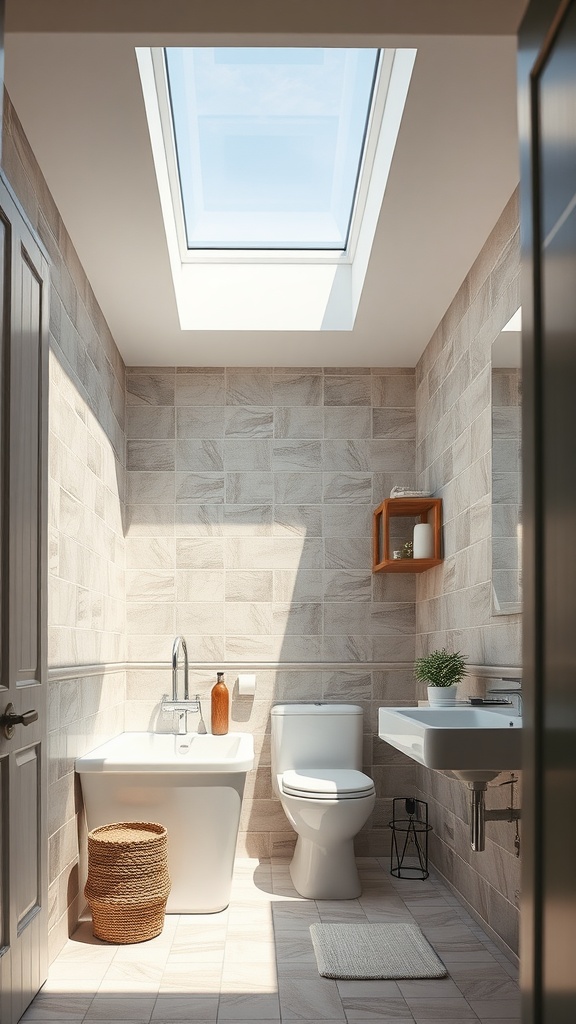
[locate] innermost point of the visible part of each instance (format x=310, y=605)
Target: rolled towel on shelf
x=408, y=492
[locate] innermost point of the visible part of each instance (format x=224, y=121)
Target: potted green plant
x=441, y=671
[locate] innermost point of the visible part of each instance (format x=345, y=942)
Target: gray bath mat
x=369, y=951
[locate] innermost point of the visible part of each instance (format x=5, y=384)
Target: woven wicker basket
x=128, y=881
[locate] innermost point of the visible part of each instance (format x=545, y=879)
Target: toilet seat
x=326, y=784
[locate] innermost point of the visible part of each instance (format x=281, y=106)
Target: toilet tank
x=316, y=736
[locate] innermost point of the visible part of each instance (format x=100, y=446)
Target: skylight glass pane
x=269, y=143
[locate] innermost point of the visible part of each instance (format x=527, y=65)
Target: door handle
x=9, y=720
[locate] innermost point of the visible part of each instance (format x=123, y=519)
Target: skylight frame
x=272, y=255
x=260, y=286
x=357, y=98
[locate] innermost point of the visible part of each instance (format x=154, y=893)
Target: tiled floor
x=255, y=962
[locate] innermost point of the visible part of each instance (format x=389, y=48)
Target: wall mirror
x=506, y=469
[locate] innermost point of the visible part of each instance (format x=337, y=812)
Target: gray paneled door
x=23, y=783
x=547, y=91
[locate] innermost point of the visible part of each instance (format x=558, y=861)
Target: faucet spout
x=510, y=692
x=179, y=642
x=181, y=705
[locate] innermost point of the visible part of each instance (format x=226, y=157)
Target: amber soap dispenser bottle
x=220, y=706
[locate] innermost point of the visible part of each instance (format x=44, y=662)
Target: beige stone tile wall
x=86, y=588
x=454, y=601
x=248, y=529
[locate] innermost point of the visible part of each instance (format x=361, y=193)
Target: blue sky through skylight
x=269, y=143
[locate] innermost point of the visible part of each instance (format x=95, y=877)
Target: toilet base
x=325, y=874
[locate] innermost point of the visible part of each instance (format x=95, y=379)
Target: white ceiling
x=79, y=99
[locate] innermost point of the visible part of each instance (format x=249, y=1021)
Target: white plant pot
x=442, y=695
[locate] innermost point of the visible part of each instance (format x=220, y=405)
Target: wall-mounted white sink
x=468, y=741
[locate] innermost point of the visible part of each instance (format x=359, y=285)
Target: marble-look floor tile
x=369, y=989
x=250, y=977
x=248, y=1007
x=493, y=1009
x=292, y=948
x=139, y=973
x=195, y=1008
x=441, y=1010
x=58, y=1006
x=433, y=988
x=451, y=937
x=143, y=952
x=431, y=916
x=191, y=978
x=255, y=961
x=242, y=950
x=64, y=971
x=429, y=901
x=125, y=1007
x=339, y=911
x=512, y=970
x=466, y=957
x=128, y=988
x=476, y=989
x=51, y=1020
x=249, y=916
x=83, y=946
x=201, y=949
x=318, y=999
x=377, y=910
x=290, y=971
x=375, y=1009
x=483, y=981
x=291, y=916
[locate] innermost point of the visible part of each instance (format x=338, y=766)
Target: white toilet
x=316, y=761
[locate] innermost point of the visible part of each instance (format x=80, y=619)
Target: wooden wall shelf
x=422, y=510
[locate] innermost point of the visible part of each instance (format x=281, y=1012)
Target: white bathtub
x=191, y=784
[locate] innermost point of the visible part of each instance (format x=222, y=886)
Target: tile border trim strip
x=107, y=668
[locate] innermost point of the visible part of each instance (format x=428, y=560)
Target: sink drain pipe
x=479, y=815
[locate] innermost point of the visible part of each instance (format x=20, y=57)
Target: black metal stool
x=411, y=833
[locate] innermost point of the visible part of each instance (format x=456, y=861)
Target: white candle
x=423, y=541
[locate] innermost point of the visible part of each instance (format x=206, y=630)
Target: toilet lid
x=327, y=784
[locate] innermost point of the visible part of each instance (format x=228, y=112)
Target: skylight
x=245, y=255
x=269, y=143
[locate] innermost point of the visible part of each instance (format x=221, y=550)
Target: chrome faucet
x=180, y=706
x=179, y=642
x=510, y=691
